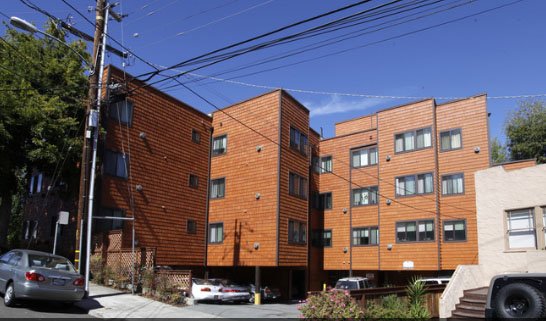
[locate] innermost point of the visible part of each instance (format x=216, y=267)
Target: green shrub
x=392, y=306
x=331, y=305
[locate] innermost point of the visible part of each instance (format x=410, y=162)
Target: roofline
x=131, y=78
x=285, y=93
x=349, y=134
x=247, y=100
x=314, y=131
x=462, y=99
x=385, y=109
x=516, y=161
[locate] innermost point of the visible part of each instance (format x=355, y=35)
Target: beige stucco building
x=511, y=219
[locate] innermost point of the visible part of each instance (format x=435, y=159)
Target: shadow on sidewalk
x=53, y=307
x=106, y=295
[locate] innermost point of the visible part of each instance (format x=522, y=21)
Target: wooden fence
x=375, y=295
x=173, y=280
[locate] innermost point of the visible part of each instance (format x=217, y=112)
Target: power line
x=209, y=23
x=379, y=41
x=151, y=74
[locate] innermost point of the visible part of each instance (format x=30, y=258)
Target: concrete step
x=473, y=300
x=470, y=307
x=468, y=314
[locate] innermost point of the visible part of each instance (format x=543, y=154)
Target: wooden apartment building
x=389, y=196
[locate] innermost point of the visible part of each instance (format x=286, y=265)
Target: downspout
x=378, y=198
x=207, y=208
x=437, y=174
x=350, y=216
x=279, y=180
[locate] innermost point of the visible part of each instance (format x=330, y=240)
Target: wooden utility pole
x=86, y=151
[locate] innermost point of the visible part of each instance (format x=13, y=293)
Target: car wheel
x=9, y=296
x=519, y=300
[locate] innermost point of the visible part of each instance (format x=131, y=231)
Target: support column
x=258, y=284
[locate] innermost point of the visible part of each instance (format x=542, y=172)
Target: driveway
x=268, y=310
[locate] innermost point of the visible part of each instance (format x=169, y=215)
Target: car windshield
x=203, y=282
x=346, y=285
x=50, y=262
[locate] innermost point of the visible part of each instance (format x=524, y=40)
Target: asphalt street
x=42, y=310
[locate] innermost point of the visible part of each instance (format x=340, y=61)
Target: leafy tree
x=498, y=152
x=42, y=98
x=526, y=131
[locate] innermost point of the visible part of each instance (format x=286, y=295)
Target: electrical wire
x=208, y=24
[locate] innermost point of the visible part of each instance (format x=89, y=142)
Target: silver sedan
x=26, y=274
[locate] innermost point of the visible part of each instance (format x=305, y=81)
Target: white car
x=433, y=281
x=353, y=283
x=206, y=290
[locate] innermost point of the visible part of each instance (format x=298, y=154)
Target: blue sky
x=500, y=52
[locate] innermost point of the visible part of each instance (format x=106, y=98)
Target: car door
x=5, y=270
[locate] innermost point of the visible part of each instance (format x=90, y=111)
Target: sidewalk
x=107, y=303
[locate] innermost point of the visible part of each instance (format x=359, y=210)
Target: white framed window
x=364, y=157
x=365, y=196
x=412, y=140
x=216, y=233
x=218, y=188
x=365, y=235
x=325, y=165
x=453, y=184
x=454, y=230
x=415, y=231
x=414, y=184
x=219, y=145
x=450, y=139
x=521, y=229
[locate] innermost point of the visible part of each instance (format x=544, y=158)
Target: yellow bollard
x=323, y=286
x=257, y=298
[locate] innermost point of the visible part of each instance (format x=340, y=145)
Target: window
x=365, y=196
x=36, y=183
x=298, y=141
x=297, y=232
x=218, y=188
x=455, y=230
x=521, y=229
x=453, y=184
x=414, y=184
x=322, y=238
x=415, y=231
x=115, y=164
x=366, y=235
x=122, y=111
x=219, y=145
x=450, y=139
x=195, y=136
x=297, y=186
x=325, y=165
x=191, y=226
x=109, y=224
x=216, y=233
x=322, y=201
x=194, y=181
x=411, y=140
x=364, y=157
x=325, y=201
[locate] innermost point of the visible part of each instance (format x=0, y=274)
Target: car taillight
x=78, y=282
x=205, y=289
x=33, y=276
